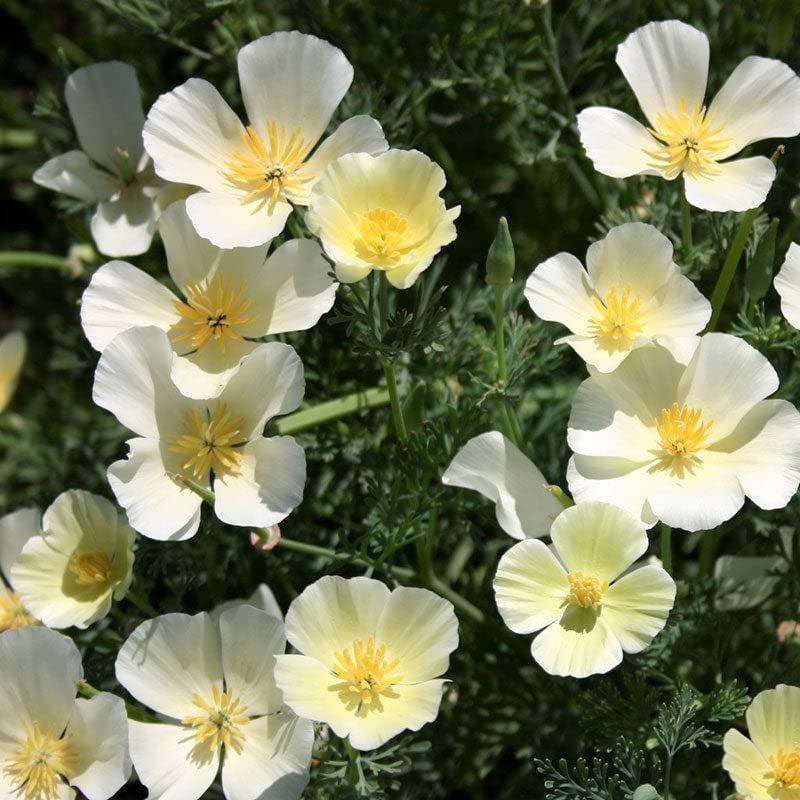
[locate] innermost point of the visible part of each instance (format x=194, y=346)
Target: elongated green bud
x=500, y=259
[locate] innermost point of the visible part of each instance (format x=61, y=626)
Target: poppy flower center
x=367, y=674
x=585, y=590
x=12, y=613
x=688, y=142
x=682, y=431
x=381, y=237
x=619, y=318
x=40, y=758
x=786, y=768
x=212, y=312
x=221, y=720
x=91, y=569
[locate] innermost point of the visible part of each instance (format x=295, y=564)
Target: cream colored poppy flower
x=382, y=213
x=631, y=293
x=767, y=765
x=16, y=529
x=212, y=683
x=683, y=434
x=370, y=658
x=80, y=562
x=50, y=741
x=580, y=597
x=666, y=65
x=787, y=285
x=12, y=356
x=251, y=177
x=228, y=300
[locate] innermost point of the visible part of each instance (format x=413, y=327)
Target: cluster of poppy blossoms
x=670, y=425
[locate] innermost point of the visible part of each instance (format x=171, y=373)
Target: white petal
x=617, y=144
x=679, y=309
x=40, y=670
x=739, y=185
x=747, y=766
x=125, y=226
x=579, y=644
x=492, y=465
x=13, y=347
x=331, y=613
x=787, y=285
x=163, y=759
x=189, y=134
x=250, y=640
x=295, y=80
x=636, y=606
x=665, y=63
x=120, y=297
x=205, y=374
x=157, y=507
x=530, y=587
x=559, y=290
x=99, y=737
x=15, y=530
x=596, y=353
x=760, y=100
x=773, y=719
x=106, y=109
x=167, y=660
x=421, y=630
x=262, y=598
x=268, y=485
x=273, y=762
x=75, y=175
x=132, y=381
x=227, y=222
x=350, y=273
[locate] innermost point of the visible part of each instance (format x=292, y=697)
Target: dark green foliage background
x=489, y=90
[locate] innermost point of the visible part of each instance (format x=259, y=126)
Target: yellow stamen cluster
x=688, y=142
x=40, y=758
x=91, y=569
x=786, y=768
x=221, y=721
x=381, y=237
x=212, y=312
x=620, y=317
x=366, y=674
x=682, y=431
x=585, y=590
x=12, y=613
x=265, y=170
x=210, y=440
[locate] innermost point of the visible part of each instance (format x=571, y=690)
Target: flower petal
x=530, y=587
x=787, y=285
x=665, y=63
x=204, y=374
x=121, y=296
x=169, y=659
x=679, y=309
x=124, y=226
x=738, y=186
x=15, y=530
x=13, y=347
x=75, y=175
x=773, y=719
x=747, y=767
x=492, y=465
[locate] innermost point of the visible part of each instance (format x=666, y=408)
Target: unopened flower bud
x=500, y=259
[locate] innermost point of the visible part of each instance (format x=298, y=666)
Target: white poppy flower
x=370, y=658
x=576, y=594
x=382, y=213
x=79, y=562
x=12, y=356
x=767, y=765
x=49, y=740
x=684, y=436
x=213, y=684
x=257, y=481
x=666, y=65
x=16, y=529
x=492, y=465
x=787, y=285
x=291, y=84
x=112, y=168
x=229, y=299
x=631, y=292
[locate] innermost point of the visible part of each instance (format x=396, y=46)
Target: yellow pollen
x=12, y=613
x=682, y=432
x=688, y=142
x=366, y=674
x=91, y=569
x=585, y=590
x=620, y=317
x=266, y=170
x=210, y=440
x=39, y=760
x=212, y=312
x=382, y=237
x=221, y=721
x=786, y=768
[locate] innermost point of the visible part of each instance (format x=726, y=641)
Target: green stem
x=686, y=225
x=394, y=399
x=332, y=410
x=666, y=547
x=85, y=689
x=18, y=138
x=708, y=550
x=26, y=258
x=499, y=334
x=667, y=776
x=141, y=603
x=729, y=268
